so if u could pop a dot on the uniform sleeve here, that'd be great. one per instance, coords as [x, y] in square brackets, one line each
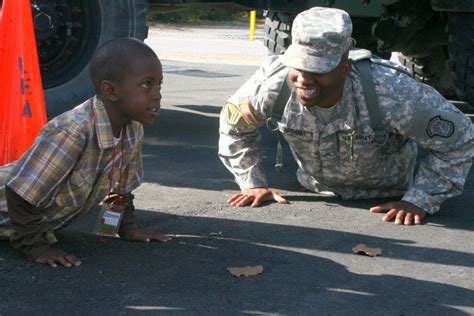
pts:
[243, 114]
[422, 114]
[45, 165]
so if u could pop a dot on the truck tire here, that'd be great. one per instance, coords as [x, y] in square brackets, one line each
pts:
[461, 54]
[277, 31]
[82, 26]
[432, 70]
[362, 33]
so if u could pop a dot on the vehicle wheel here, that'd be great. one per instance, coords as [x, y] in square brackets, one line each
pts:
[461, 54]
[432, 70]
[362, 33]
[277, 31]
[68, 33]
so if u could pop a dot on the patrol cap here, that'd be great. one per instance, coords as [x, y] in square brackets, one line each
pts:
[320, 36]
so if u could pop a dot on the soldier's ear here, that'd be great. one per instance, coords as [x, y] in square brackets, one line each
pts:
[346, 67]
[109, 90]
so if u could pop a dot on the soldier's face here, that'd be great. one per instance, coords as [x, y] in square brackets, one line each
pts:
[323, 90]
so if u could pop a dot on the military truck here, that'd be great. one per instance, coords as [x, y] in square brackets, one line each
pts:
[435, 37]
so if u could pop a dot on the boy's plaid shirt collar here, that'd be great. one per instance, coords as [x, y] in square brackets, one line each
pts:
[103, 127]
[105, 137]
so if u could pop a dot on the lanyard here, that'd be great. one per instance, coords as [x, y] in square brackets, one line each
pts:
[119, 196]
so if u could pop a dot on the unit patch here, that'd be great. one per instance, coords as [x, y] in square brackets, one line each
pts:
[439, 127]
[247, 114]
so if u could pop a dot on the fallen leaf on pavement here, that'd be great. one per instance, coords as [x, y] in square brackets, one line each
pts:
[363, 249]
[245, 271]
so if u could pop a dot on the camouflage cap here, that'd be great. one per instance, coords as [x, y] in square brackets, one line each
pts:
[320, 36]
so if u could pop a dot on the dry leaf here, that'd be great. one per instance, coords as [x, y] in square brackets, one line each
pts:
[245, 271]
[363, 249]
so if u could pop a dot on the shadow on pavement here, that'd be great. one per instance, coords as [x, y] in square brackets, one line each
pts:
[188, 275]
[180, 150]
[455, 213]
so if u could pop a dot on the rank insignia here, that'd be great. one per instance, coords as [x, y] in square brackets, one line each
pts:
[233, 113]
[439, 127]
[242, 111]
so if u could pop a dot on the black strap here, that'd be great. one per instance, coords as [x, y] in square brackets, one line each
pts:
[279, 155]
[277, 113]
[280, 104]
[368, 87]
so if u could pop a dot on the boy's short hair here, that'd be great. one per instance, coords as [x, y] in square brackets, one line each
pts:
[110, 61]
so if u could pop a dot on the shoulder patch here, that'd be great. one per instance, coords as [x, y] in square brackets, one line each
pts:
[232, 113]
[242, 112]
[437, 126]
[247, 114]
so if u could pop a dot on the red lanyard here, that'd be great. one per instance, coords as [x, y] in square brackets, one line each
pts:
[119, 196]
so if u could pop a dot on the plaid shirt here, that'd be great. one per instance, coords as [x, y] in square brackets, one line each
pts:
[66, 172]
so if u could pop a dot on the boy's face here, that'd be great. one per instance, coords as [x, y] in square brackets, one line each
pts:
[138, 92]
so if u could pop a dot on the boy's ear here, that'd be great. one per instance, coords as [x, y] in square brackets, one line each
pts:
[109, 90]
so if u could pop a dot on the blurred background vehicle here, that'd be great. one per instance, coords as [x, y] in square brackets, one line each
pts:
[435, 38]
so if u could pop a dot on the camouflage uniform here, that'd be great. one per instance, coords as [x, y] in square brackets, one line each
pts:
[342, 157]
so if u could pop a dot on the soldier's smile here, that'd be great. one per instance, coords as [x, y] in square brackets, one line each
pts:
[307, 93]
[319, 89]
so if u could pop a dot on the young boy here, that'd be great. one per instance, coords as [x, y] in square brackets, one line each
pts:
[85, 155]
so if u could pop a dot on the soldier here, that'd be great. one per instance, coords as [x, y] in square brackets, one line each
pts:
[333, 137]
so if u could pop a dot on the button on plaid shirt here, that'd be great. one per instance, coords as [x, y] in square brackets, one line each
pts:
[66, 172]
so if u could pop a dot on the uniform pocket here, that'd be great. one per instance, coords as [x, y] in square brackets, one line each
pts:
[359, 161]
[304, 152]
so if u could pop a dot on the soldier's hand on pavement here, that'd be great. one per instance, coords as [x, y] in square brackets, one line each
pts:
[403, 212]
[53, 257]
[145, 235]
[255, 197]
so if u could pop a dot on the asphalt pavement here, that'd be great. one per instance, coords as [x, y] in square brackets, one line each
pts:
[305, 247]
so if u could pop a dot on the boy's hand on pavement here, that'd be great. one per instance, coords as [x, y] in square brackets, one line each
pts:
[145, 235]
[255, 197]
[53, 257]
[403, 212]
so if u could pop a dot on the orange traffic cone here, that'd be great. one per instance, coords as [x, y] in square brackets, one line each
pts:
[1, 59]
[21, 92]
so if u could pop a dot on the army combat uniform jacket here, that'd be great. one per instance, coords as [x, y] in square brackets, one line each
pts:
[66, 173]
[342, 156]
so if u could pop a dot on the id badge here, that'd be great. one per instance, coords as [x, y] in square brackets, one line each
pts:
[110, 216]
